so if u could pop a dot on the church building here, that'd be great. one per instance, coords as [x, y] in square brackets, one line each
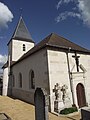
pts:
[56, 64]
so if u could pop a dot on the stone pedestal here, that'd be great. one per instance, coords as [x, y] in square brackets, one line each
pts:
[67, 103]
[58, 105]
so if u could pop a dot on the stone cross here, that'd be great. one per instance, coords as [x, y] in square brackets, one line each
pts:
[77, 61]
[57, 90]
[41, 104]
[64, 87]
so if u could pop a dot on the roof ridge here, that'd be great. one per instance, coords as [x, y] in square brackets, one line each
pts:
[46, 39]
[73, 43]
[17, 26]
[68, 40]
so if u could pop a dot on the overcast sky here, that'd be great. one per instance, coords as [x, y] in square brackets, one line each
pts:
[68, 18]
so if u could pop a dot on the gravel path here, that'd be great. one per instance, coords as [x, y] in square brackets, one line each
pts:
[19, 110]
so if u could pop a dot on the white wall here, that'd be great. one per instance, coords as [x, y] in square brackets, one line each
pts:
[5, 81]
[58, 73]
[38, 63]
[81, 77]
[48, 74]
[17, 48]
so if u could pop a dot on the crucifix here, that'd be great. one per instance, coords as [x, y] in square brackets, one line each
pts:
[21, 11]
[77, 61]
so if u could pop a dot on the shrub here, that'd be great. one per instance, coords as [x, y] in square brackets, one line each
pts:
[68, 110]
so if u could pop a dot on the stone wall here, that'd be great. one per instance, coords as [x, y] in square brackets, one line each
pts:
[27, 96]
[60, 66]
[58, 73]
[5, 81]
[51, 67]
[17, 50]
[36, 62]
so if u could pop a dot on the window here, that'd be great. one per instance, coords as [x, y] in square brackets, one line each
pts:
[13, 81]
[31, 80]
[24, 47]
[20, 80]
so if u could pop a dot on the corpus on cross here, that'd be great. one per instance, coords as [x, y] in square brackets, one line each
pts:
[77, 61]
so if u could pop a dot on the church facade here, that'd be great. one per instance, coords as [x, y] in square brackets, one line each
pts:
[55, 63]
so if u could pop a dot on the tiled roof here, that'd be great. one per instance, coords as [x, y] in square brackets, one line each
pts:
[54, 40]
[58, 41]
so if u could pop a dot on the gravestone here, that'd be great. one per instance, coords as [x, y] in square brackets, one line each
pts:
[85, 113]
[41, 104]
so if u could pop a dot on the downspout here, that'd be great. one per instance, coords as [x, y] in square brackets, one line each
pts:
[70, 78]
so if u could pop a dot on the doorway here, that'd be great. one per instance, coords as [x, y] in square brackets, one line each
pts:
[81, 95]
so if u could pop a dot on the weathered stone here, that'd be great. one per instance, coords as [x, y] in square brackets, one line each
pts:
[85, 113]
[3, 116]
[41, 104]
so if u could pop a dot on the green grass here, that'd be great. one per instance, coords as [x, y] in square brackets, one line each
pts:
[66, 111]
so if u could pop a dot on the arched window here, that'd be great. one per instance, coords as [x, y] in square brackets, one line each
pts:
[31, 79]
[13, 81]
[20, 80]
[24, 47]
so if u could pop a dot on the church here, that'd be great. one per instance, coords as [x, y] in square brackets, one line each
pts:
[56, 64]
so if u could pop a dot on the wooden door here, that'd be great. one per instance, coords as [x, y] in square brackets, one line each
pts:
[81, 95]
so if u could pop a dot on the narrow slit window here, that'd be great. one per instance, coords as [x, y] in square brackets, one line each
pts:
[31, 79]
[20, 80]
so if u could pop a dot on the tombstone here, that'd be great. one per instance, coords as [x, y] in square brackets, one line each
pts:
[41, 104]
[85, 113]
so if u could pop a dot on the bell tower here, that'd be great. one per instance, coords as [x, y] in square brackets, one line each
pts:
[20, 43]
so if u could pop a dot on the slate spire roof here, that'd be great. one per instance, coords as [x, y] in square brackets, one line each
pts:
[21, 32]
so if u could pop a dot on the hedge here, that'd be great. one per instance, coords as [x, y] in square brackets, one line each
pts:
[68, 110]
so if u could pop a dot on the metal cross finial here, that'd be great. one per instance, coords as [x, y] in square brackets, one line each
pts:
[77, 61]
[21, 11]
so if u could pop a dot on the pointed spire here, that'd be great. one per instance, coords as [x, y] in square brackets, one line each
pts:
[21, 32]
